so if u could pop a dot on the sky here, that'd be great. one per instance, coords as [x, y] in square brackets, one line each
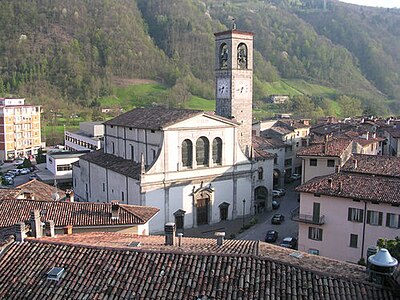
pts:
[379, 3]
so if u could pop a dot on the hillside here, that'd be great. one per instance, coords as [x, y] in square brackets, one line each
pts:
[74, 50]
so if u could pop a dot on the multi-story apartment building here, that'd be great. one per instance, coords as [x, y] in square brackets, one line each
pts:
[343, 214]
[293, 133]
[19, 129]
[89, 137]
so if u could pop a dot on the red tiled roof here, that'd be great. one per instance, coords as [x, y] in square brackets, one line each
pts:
[157, 243]
[330, 148]
[38, 189]
[99, 273]
[355, 186]
[73, 213]
[373, 164]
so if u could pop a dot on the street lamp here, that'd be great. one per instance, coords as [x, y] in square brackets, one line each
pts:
[244, 209]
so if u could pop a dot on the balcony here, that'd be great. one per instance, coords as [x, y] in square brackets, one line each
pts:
[309, 219]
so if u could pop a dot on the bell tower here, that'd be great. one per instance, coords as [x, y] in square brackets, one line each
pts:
[234, 81]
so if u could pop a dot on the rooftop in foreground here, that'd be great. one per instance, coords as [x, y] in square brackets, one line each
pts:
[108, 266]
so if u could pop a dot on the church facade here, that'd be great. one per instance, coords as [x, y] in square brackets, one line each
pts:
[196, 167]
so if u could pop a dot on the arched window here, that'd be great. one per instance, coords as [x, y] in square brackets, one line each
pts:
[187, 153]
[242, 56]
[260, 173]
[223, 56]
[202, 151]
[217, 151]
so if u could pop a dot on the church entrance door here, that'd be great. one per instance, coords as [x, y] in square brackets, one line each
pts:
[203, 206]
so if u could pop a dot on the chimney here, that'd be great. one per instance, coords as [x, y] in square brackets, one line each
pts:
[170, 230]
[68, 229]
[355, 164]
[70, 195]
[180, 235]
[114, 210]
[367, 138]
[337, 169]
[330, 182]
[49, 228]
[220, 238]
[20, 232]
[381, 267]
[36, 224]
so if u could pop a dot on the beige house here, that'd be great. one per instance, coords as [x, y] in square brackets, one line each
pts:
[324, 158]
[343, 214]
[19, 129]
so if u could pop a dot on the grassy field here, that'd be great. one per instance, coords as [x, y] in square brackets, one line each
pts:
[132, 96]
[201, 103]
[55, 134]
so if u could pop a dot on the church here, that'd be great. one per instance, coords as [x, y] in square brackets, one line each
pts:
[197, 167]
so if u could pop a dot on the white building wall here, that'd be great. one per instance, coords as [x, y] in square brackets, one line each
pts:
[320, 169]
[337, 229]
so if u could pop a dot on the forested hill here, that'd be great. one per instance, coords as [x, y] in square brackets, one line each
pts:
[52, 50]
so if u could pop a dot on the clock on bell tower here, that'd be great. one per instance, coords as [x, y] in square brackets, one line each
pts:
[234, 81]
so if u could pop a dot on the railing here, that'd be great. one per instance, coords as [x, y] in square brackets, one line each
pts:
[309, 219]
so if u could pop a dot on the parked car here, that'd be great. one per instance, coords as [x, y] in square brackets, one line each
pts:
[24, 171]
[275, 194]
[271, 236]
[18, 162]
[275, 204]
[32, 176]
[277, 219]
[289, 242]
[8, 181]
[295, 176]
[282, 191]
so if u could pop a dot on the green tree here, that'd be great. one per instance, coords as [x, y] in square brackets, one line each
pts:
[350, 106]
[393, 246]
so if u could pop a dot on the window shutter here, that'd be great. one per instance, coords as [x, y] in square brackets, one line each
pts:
[349, 214]
[388, 220]
[362, 216]
[380, 218]
[309, 232]
[369, 217]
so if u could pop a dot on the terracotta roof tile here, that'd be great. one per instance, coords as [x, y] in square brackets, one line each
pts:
[330, 148]
[38, 189]
[373, 164]
[355, 186]
[260, 146]
[73, 213]
[114, 163]
[152, 118]
[94, 273]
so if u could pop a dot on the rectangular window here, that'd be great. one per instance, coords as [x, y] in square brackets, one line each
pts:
[355, 215]
[132, 153]
[313, 251]
[330, 163]
[122, 196]
[315, 233]
[104, 187]
[113, 147]
[64, 167]
[275, 160]
[353, 240]
[303, 142]
[313, 162]
[153, 154]
[374, 217]
[392, 220]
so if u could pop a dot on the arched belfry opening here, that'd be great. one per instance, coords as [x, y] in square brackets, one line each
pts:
[242, 56]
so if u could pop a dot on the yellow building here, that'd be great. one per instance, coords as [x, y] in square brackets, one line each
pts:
[19, 129]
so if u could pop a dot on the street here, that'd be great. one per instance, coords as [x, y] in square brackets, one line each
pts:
[287, 228]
